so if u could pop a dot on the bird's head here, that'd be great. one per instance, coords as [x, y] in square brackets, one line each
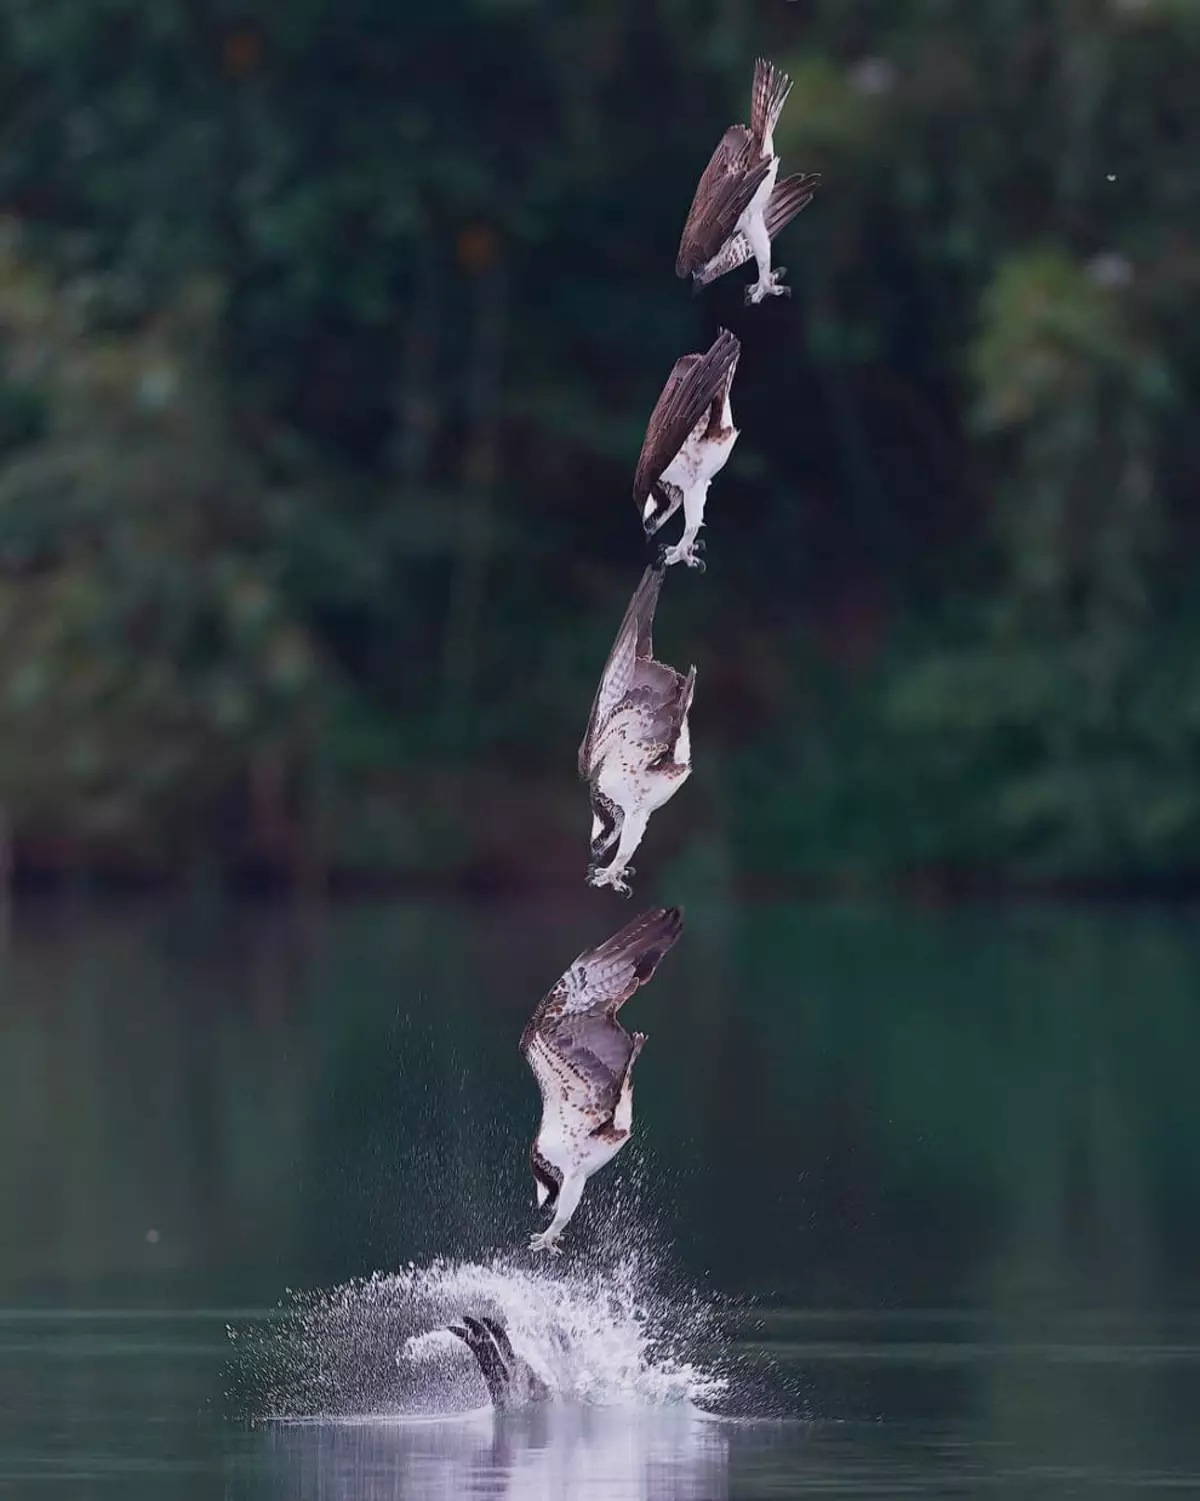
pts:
[654, 513]
[659, 505]
[547, 1178]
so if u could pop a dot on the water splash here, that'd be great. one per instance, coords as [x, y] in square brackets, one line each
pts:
[600, 1333]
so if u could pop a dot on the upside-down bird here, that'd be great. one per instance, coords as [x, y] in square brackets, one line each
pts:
[688, 439]
[636, 753]
[582, 1058]
[739, 206]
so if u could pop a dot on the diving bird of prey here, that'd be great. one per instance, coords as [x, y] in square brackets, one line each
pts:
[511, 1381]
[582, 1058]
[688, 439]
[739, 207]
[637, 751]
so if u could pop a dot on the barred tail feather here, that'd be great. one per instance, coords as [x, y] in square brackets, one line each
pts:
[771, 88]
[788, 198]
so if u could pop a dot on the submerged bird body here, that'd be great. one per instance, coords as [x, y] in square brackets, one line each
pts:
[583, 1058]
[636, 753]
[740, 205]
[511, 1381]
[688, 440]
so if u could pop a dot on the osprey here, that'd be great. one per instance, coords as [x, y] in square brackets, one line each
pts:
[582, 1058]
[739, 208]
[637, 750]
[511, 1381]
[688, 439]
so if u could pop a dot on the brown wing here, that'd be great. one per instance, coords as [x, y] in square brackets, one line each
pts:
[633, 643]
[574, 1044]
[601, 980]
[694, 383]
[788, 198]
[657, 432]
[658, 703]
[734, 174]
[672, 711]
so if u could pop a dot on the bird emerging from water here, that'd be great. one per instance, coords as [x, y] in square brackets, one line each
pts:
[689, 437]
[511, 1381]
[636, 753]
[739, 206]
[582, 1058]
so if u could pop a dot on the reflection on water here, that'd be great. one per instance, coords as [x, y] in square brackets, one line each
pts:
[544, 1454]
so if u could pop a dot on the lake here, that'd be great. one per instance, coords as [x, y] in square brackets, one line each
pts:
[913, 1205]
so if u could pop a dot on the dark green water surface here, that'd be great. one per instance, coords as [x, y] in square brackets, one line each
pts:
[922, 1188]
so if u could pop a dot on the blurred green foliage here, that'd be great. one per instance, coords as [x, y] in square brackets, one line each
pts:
[329, 334]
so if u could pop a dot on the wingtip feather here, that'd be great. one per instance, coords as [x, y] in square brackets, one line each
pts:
[651, 927]
[647, 591]
[667, 923]
[788, 198]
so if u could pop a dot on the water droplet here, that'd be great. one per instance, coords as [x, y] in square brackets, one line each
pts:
[590, 1335]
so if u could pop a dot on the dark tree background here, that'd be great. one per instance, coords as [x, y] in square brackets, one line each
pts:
[329, 333]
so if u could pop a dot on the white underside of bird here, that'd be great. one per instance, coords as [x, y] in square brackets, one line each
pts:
[566, 1143]
[691, 472]
[753, 225]
[627, 779]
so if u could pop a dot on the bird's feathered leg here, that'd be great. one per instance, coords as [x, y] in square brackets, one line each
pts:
[768, 283]
[613, 874]
[565, 1206]
[687, 547]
